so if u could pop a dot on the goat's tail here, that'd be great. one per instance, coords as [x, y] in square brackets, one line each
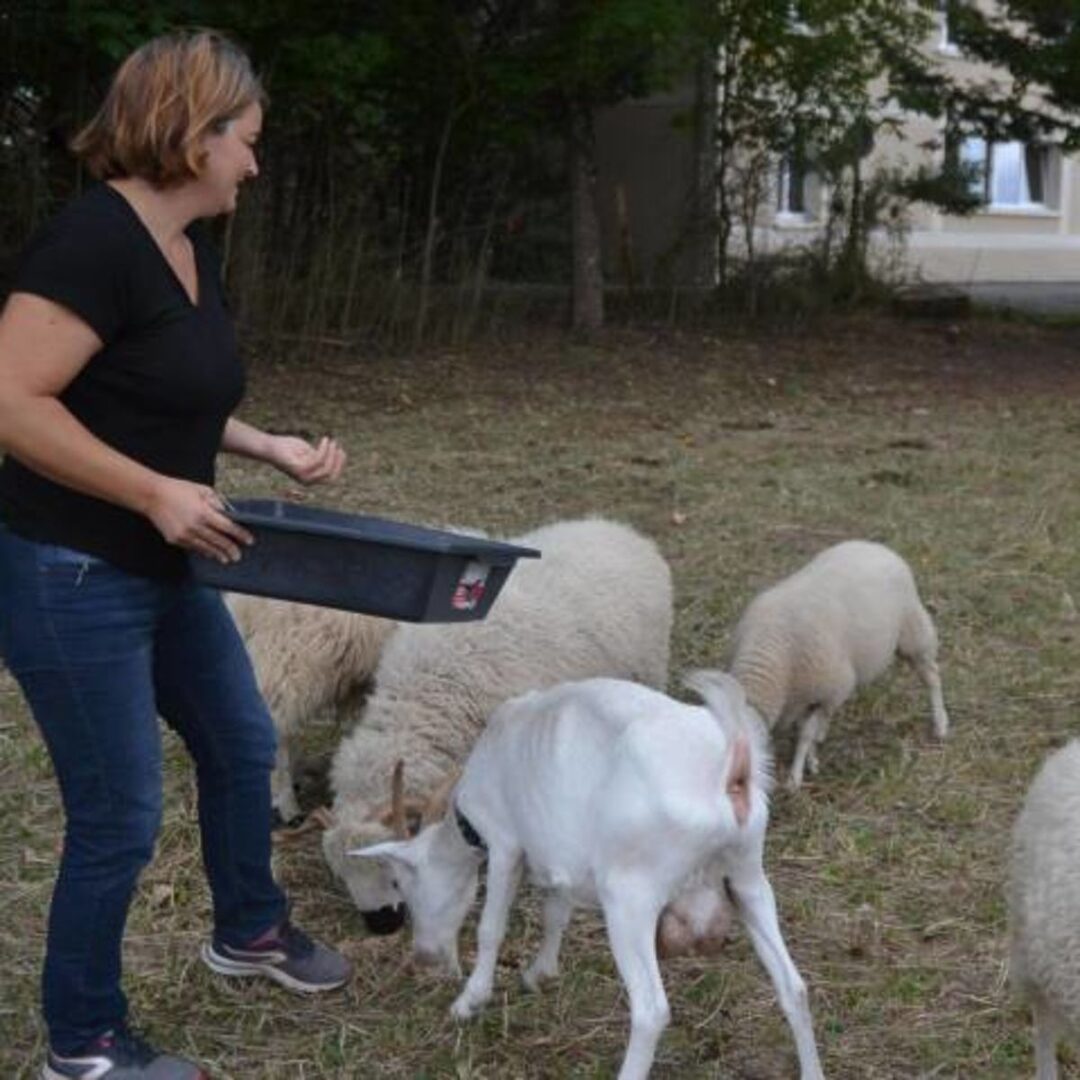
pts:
[750, 767]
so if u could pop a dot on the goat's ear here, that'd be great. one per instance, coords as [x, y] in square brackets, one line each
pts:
[716, 686]
[393, 851]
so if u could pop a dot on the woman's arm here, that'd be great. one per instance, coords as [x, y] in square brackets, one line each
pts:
[309, 463]
[43, 347]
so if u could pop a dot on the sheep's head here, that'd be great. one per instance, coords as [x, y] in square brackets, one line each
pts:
[435, 874]
[358, 825]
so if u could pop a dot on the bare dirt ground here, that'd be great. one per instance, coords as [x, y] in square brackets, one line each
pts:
[741, 456]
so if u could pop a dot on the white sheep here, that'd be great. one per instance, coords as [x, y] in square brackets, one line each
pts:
[804, 645]
[608, 793]
[597, 602]
[1043, 895]
[307, 659]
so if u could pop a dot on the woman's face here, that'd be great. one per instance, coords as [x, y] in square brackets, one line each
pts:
[230, 158]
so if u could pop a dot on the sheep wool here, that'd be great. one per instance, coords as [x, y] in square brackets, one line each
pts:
[598, 602]
[1043, 896]
[803, 646]
[307, 659]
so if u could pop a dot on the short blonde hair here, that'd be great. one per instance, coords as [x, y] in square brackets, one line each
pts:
[165, 96]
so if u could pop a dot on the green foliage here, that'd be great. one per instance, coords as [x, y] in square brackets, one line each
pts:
[1037, 42]
[425, 142]
[815, 86]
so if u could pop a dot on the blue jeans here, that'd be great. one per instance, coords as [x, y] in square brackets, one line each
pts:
[100, 654]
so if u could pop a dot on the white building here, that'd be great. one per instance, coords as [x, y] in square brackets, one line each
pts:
[650, 196]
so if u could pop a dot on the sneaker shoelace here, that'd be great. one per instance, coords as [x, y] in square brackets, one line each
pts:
[127, 1047]
[295, 941]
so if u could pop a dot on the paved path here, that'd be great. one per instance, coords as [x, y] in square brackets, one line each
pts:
[1042, 298]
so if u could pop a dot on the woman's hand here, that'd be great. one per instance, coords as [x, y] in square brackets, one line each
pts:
[309, 463]
[296, 457]
[193, 517]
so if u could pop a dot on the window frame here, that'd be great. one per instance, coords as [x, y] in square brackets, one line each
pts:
[945, 45]
[1033, 164]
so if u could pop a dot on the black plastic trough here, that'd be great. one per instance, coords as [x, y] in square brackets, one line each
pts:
[362, 563]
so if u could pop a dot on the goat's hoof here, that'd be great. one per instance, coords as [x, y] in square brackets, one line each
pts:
[464, 1009]
[533, 978]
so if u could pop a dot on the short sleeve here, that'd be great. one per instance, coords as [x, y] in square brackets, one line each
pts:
[82, 267]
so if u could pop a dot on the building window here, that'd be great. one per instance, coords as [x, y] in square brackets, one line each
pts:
[792, 187]
[795, 21]
[945, 43]
[1012, 175]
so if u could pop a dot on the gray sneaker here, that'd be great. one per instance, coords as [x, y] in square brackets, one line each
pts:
[286, 955]
[120, 1055]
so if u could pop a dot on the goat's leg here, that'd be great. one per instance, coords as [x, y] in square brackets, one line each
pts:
[557, 910]
[631, 911]
[1046, 1037]
[810, 731]
[504, 874]
[757, 907]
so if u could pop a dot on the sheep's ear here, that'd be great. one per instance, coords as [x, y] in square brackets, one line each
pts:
[392, 851]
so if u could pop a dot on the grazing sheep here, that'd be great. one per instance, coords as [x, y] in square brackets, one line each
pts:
[608, 793]
[1044, 905]
[803, 646]
[598, 602]
[306, 659]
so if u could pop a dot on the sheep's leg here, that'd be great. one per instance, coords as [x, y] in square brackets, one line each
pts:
[1046, 1033]
[281, 785]
[757, 907]
[557, 910]
[918, 645]
[504, 874]
[630, 912]
[926, 667]
[819, 738]
[811, 730]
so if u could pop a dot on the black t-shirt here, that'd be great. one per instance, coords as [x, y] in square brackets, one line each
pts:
[160, 390]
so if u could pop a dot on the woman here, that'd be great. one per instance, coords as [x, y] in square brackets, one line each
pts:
[118, 377]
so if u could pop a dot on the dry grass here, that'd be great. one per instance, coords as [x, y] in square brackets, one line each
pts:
[741, 458]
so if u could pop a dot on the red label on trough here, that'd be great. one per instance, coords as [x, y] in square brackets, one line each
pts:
[470, 587]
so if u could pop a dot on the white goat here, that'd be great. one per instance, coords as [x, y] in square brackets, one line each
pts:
[804, 645]
[1044, 905]
[597, 603]
[307, 659]
[608, 792]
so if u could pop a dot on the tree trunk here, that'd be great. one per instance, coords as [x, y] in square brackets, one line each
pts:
[708, 169]
[432, 227]
[588, 294]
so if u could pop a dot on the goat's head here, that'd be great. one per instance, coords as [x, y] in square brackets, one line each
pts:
[371, 883]
[435, 874]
